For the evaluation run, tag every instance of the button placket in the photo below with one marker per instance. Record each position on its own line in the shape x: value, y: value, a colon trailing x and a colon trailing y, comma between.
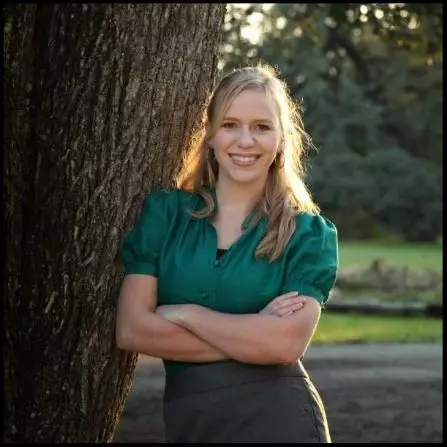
x: 217, y: 267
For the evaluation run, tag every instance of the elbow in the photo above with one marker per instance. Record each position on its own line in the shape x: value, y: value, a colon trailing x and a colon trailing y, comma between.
x: 291, y: 352
x: 290, y: 357
x: 123, y: 338
x: 131, y: 334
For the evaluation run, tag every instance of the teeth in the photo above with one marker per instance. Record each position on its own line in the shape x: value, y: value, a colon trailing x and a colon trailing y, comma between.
x: 244, y: 159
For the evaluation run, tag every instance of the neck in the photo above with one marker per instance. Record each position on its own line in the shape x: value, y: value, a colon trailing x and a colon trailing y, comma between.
x: 237, y: 196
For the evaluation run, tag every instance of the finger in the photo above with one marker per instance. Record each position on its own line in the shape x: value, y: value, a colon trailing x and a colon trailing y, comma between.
x: 292, y: 300
x: 289, y: 310
x: 281, y: 301
x: 286, y: 295
x: 280, y: 298
x: 287, y: 302
x: 288, y: 314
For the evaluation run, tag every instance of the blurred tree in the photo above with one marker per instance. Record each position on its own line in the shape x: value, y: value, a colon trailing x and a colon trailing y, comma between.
x: 413, y: 205
x: 386, y: 192
x: 94, y: 106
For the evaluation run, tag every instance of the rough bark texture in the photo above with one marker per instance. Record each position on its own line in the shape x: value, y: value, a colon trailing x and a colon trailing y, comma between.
x: 99, y: 100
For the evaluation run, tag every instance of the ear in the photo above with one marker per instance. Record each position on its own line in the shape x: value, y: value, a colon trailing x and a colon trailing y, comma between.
x: 280, y: 146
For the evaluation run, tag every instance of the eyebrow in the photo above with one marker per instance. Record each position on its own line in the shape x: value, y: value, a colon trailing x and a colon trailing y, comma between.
x: 264, y: 120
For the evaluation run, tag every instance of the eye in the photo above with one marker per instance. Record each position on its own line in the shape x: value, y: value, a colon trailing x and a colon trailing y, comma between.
x: 263, y: 127
x: 229, y: 125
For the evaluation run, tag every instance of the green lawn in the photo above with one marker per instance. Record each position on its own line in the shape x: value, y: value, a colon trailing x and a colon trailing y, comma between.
x: 414, y: 256
x: 337, y: 328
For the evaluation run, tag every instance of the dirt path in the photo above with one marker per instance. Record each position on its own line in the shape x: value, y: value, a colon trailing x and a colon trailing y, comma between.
x: 373, y: 393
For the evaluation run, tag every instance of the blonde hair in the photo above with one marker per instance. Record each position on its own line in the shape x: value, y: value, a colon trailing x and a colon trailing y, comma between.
x: 285, y: 192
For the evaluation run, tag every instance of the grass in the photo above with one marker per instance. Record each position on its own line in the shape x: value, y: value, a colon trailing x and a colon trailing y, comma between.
x: 413, y: 256
x: 337, y: 328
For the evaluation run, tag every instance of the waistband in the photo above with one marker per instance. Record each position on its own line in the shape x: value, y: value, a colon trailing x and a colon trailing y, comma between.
x: 210, y: 376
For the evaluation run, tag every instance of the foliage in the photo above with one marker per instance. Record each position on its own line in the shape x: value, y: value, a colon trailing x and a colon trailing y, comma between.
x: 413, y: 205
x: 398, y: 193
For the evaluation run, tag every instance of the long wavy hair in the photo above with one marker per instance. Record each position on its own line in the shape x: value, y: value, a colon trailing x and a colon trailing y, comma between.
x: 285, y: 193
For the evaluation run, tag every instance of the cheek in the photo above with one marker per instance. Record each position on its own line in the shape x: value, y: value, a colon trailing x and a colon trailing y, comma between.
x: 221, y: 142
x: 270, y: 145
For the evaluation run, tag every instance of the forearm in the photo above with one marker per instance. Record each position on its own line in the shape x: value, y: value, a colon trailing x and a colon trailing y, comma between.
x: 249, y: 338
x: 154, y: 336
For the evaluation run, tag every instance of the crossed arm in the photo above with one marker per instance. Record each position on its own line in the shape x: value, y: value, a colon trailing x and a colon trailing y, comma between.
x: 196, y: 334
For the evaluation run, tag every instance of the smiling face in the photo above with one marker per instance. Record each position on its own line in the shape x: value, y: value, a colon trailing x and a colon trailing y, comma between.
x: 246, y: 143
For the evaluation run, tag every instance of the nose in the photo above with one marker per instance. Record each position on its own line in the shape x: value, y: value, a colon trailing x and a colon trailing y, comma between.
x: 245, y: 139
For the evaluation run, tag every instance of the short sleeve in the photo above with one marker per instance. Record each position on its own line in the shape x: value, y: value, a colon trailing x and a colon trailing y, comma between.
x: 312, y: 258
x: 142, y: 244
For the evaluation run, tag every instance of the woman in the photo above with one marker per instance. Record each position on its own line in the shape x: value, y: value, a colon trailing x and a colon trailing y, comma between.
x: 217, y: 268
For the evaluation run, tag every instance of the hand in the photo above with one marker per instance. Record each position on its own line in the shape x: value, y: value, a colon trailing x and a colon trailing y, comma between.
x: 171, y: 312
x: 284, y: 305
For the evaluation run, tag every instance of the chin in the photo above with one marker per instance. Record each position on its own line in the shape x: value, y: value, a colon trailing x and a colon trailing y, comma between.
x: 246, y: 177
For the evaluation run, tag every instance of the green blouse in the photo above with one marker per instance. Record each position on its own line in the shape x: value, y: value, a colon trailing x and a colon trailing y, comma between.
x: 167, y: 242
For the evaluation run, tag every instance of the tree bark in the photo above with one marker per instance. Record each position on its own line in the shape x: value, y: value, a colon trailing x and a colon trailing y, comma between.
x: 99, y: 100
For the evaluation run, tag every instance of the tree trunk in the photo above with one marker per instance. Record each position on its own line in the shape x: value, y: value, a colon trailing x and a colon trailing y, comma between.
x: 99, y: 100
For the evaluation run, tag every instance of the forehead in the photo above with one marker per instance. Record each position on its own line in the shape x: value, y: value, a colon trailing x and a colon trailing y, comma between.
x: 252, y: 103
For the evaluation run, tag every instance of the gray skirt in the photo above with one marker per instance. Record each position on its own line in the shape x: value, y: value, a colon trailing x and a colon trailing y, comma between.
x: 230, y: 402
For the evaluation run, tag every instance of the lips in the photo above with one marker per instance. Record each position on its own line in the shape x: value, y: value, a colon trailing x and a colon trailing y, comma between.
x: 244, y: 160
